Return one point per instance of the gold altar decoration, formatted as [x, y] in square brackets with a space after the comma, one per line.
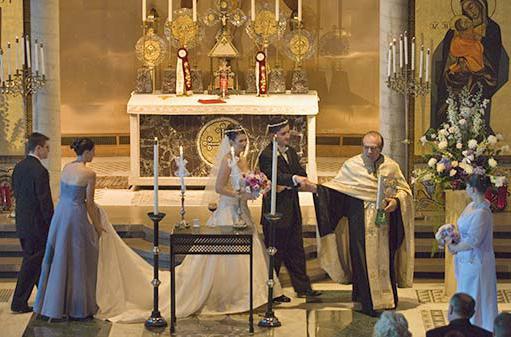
[265, 29]
[151, 49]
[182, 31]
[299, 45]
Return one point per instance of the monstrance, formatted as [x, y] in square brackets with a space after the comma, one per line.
[151, 50]
[299, 45]
[226, 12]
[264, 29]
[183, 33]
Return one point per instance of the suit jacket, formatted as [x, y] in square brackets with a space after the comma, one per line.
[34, 205]
[459, 328]
[287, 201]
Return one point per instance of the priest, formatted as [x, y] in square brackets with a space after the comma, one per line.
[375, 258]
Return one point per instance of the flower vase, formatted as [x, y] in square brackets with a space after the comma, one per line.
[455, 203]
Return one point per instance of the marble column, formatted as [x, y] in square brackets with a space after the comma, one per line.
[393, 21]
[44, 17]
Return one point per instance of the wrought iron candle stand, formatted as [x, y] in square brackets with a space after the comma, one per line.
[156, 321]
[182, 223]
[270, 320]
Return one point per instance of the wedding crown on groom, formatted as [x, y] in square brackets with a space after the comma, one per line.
[276, 125]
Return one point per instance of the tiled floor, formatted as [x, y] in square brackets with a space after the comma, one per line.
[330, 315]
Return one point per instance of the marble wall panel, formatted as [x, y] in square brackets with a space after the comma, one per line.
[200, 137]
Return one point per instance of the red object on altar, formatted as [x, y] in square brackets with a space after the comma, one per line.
[497, 198]
[5, 196]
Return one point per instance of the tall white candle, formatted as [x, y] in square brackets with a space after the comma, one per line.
[182, 169]
[27, 47]
[300, 10]
[413, 53]
[22, 44]
[427, 65]
[389, 60]
[155, 170]
[170, 10]
[36, 56]
[43, 66]
[1, 65]
[421, 61]
[8, 59]
[252, 10]
[401, 51]
[277, 9]
[394, 56]
[406, 48]
[194, 10]
[17, 53]
[144, 10]
[273, 206]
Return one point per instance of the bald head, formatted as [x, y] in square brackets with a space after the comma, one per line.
[462, 306]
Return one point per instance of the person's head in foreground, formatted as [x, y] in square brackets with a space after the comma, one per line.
[391, 324]
[461, 306]
[502, 325]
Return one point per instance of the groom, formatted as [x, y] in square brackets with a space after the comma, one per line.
[34, 210]
[288, 238]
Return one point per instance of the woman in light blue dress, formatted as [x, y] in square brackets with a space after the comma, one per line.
[67, 287]
[475, 260]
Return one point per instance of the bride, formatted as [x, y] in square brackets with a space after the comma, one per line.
[205, 284]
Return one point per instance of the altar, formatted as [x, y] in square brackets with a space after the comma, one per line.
[198, 127]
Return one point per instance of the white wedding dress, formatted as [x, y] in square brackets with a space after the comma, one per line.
[205, 284]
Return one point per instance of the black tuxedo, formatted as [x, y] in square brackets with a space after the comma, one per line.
[34, 210]
[459, 328]
[288, 238]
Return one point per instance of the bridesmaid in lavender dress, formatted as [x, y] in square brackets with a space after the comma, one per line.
[475, 260]
[67, 287]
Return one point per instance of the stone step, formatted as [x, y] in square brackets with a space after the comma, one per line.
[314, 272]
[434, 267]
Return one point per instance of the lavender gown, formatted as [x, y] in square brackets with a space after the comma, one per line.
[67, 287]
[475, 268]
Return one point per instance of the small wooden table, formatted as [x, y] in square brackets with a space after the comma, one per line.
[221, 240]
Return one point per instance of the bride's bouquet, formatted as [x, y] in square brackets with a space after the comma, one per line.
[447, 234]
[256, 183]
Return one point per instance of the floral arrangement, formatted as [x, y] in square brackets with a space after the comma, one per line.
[461, 146]
[447, 234]
[256, 183]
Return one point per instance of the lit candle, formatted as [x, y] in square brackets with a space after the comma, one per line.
[421, 60]
[194, 10]
[427, 65]
[389, 61]
[379, 193]
[36, 57]
[277, 9]
[182, 168]
[8, 59]
[406, 48]
[300, 10]
[27, 48]
[43, 67]
[17, 53]
[170, 10]
[144, 12]
[1, 65]
[155, 170]
[413, 53]
[401, 51]
[22, 43]
[252, 10]
[394, 56]
[273, 207]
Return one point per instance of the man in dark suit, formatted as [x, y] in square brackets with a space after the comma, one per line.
[461, 308]
[34, 210]
[288, 239]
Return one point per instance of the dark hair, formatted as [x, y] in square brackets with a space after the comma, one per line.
[35, 139]
[376, 134]
[233, 130]
[502, 325]
[80, 145]
[463, 304]
[480, 182]
[279, 122]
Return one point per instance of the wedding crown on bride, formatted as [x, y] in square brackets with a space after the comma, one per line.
[236, 129]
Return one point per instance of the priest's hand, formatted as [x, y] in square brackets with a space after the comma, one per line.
[309, 186]
[391, 205]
